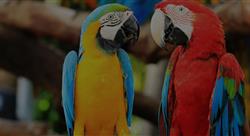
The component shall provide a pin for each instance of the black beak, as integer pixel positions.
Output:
(174, 35)
(126, 36)
(129, 33)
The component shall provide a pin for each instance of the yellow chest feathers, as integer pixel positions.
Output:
(97, 67)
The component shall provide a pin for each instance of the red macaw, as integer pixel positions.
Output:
(203, 89)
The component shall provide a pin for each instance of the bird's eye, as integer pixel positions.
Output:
(110, 17)
(182, 9)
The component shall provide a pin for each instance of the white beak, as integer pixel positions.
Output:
(157, 27)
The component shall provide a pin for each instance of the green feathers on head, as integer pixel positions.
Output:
(100, 11)
(96, 15)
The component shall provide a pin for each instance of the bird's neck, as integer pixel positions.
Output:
(89, 41)
(207, 37)
(206, 45)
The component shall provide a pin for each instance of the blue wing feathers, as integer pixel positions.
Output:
(164, 112)
(221, 111)
(227, 115)
(68, 84)
(241, 89)
(238, 111)
(235, 128)
(164, 101)
(217, 98)
(225, 121)
(128, 82)
(218, 128)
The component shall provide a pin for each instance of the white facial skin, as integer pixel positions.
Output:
(157, 27)
(112, 22)
(181, 17)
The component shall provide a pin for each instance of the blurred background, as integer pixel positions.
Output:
(35, 35)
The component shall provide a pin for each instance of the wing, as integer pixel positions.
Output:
(68, 84)
(227, 115)
(128, 82)
(166, 100)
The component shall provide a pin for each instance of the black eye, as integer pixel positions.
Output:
(181, 9)
(110, 17)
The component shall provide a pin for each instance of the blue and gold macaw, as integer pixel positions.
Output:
(97, 84)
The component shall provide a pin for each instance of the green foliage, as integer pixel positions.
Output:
(45, 110)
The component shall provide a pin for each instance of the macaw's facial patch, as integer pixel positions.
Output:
(172, 24)
(118, 29)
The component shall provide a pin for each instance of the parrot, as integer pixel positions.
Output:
(142, 9)
(97, 83)
(203, 89)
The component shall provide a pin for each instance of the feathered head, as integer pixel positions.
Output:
(186, 23)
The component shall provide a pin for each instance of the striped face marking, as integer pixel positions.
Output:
(111, 19)
(181, 16)
(112, 22)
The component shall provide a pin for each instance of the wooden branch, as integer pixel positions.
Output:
(14, 128)
(43, 19)
(64, 24)
(21, 54)
(235, 15)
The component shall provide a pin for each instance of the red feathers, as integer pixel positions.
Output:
(231, 68)
(208, 34)
(195, 71)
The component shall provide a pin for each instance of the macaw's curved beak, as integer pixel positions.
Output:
(174, 35)
(164, 31)
(129, 32)
(123, 35)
